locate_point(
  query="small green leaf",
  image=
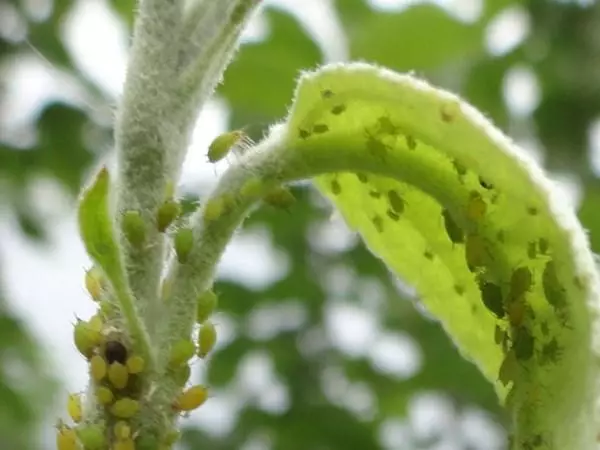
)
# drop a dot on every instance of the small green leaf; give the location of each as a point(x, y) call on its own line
point(428, 166)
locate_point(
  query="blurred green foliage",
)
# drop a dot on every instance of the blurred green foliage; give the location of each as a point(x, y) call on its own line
point(560, 50)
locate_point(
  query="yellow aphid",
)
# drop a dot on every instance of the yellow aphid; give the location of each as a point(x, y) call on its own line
point(167, 213)
point(476, 207)
point(134, 228)
point(181, 352)
point(94, 282)
point(104, 395)
point(92, 437)
point(86, 338)
point(66, 438)
point(125, 408)
point(213, 209)
point(122, 430)
point(74, 407)
point(182, 375)
point(98, 368)
point(207, 338)
point(135, 364)
point(252, 187)
point(280, 197)
point(223, 144)
point(191, 399)
point(118, 375)
point(126, 444)
point(207, 302)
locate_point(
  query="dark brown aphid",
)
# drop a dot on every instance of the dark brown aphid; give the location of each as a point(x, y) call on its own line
point(532, 210)
point(396, 202)
point(338, 109)
point(460, 169)
point(554, 292)
point(376, 147)
point(532, 250)
point(362, 177)
point(304, 134)
point(115, 352)
point(523, 344)
point(484, 184)
point(459, 289)
point(378, 223)
point(491, 294)
point(336, 188)
point(543, 245)
point(327, 93)
point(454, 232)
point(392, 215)
point(375, 194)
point(385, 126)
point(521, 281)
point(429, 255)
point(411, 142)
point(551, 352)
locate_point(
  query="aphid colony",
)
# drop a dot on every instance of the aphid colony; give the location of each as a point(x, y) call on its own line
point(117, 372)
point(508, 301)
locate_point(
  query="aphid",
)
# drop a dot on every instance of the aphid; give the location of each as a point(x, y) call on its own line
point(280, 197)
point(207, 303)
point(551, 352)
point(508, 369)
point(96, 323)
point(544, 245)
point(134, 228)
point(499, 334)
point(523, 344)
point(304, 134)
point(320, 128)
point(327, 93)
point(521, 281)
point(476, 252)
point(92, 437)
point(532, 250)
point(182, 375)
point(449, 111)
point(532, 210)
point(94, 281)
point(338, 109)
point(104, 395)
point(516, 310)
point(125, 444)
point(183, 243)
point(66, 438)
point(362, 177)
point(114, 351)
point(396, 202)
point(545, 328)
point(167, 213)
point(223, 144)
point(428, 255)
point(181, 352)
point(554, 292)
point(392, 215)
point(454, 232)
point(375, 194)
point(376, 147)
point(459, 289)
point(122, 430)
point(125, 408)
point(378, 223)
point(207, 338)
point(476, 207)
point(386, 126)
point(191, 398)
point(460, 169)
point(135, 364)
point(86, 338)
point(411, 142)
point(74, 407)
point(213, 209)
point(500, 237)
point(491, 294)
point(484, 184)
point(171, 437)
point(252, 187)
point(336, 188)
point(118, 375)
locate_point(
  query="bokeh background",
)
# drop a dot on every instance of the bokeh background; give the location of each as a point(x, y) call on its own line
point(320, 348)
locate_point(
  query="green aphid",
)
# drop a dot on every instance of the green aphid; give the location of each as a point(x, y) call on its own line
point(386, 126)
point(134, 228)
point(532, 211)
point(521, 281)
point(167, 213)
point(207, 303)
point(183, 243)
point(396, 202)
point(181, 352)
point(375, 194)
point(207, 338)
point(411, 142)
point(320, 128)
point(544, 246)
point(491, 294)
point(554, 292)
point(551, 352)
point(523, 344)
point(376, 147)
point(223, 144)
point(455, 233)
point(336, 188)
point(280, 197)
point(362, 177)
point(508, 369)
point(304, 134)
point(92, 437)
point(428, 254)
point(476, 252)
point(327, 93)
